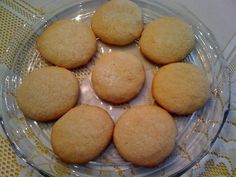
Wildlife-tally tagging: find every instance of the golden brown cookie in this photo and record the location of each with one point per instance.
(47, 93)
(180, 88)
(67, 43)
(145, 135)
(118, 77)
(167, 40)
(82, 134)
(118, 22)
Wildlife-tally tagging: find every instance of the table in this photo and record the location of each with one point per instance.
(220, 18)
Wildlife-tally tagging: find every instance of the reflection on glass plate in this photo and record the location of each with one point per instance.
(196, 132)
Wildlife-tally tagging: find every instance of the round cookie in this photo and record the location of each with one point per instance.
(67, 43)
(82, 134)
(145, 135)
(117, 77)
(180, 88)
(118, 22)
(47, 93)
(167, 40)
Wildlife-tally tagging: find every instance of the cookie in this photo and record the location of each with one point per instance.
(81, 134)
(180, 88)
(47, 93)
(117, 77)
(118, 22)
(167, 40)
(145, 135)
(67, 43)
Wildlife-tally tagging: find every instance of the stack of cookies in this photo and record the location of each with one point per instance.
(144, 135)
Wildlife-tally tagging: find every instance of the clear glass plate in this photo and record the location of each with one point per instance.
(196, 132)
